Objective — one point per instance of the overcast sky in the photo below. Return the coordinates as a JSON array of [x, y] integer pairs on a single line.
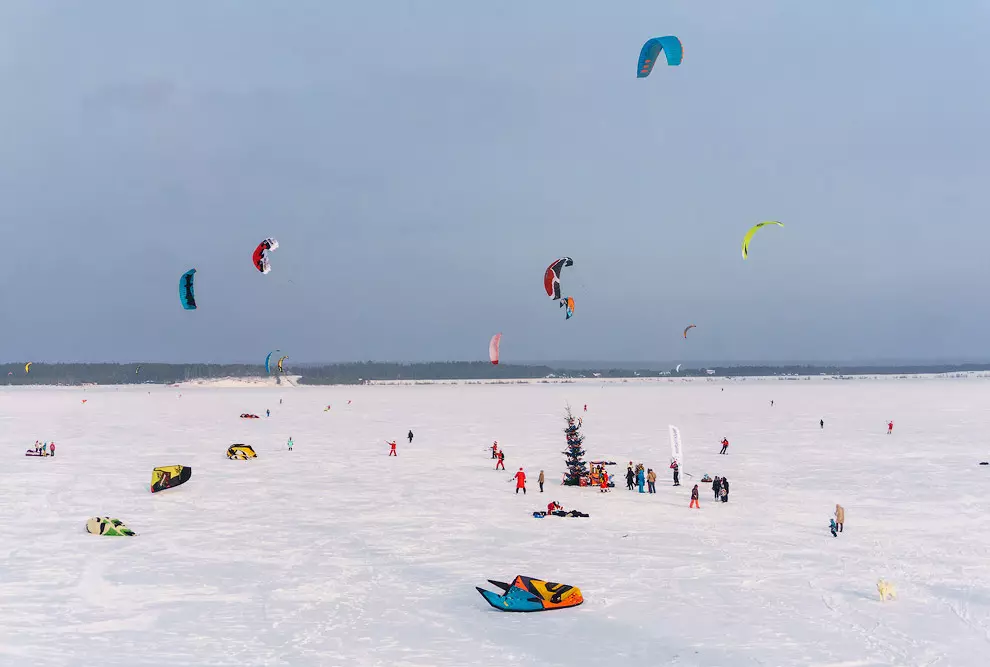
[[421, 163]]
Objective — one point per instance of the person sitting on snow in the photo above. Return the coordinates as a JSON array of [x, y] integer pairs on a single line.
[[554, 506]]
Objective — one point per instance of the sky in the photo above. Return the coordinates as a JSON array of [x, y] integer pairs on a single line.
[[421, 163]]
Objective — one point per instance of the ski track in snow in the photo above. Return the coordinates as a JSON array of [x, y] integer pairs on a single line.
[[335, 554]]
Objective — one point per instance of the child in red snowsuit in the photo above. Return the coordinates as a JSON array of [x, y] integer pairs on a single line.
[[520, 481]]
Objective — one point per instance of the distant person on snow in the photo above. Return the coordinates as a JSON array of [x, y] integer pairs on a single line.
[[725, 445], [821, 423], [640, 477], [651, 480], [677, 472], [554, 506], [51, 448], [410, 436], [585, 407], [520, 481], [724, 493], [268, 413], [541, 479], [630, 477], [771, 402], [832, 526], [44, 449], [495, 449], [890, 427], [290, 443], [717, 486], [694, 498], [604, 478], [391, 451], [840, 515], [501, 461]]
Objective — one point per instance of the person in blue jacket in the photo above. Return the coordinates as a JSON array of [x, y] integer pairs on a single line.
[[640, 477]]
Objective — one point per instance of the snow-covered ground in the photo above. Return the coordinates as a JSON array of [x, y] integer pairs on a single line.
[[335, 554]]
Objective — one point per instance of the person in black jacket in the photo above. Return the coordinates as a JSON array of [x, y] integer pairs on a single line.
[[630, 477], [725, 490], [717, 486], [410, 436]]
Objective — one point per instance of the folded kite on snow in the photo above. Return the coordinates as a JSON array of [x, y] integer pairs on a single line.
[[529, 594]]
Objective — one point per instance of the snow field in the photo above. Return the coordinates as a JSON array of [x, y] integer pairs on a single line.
[[335, 554]]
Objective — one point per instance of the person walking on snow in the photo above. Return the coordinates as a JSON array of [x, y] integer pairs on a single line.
[[290, 443], [890, 427], [840, 515], [391, 451], [501, 461], [268, 413], [585, 407], [541, 479], [821, 422], [694, 498], [725, 445], [520, 481], [495, 449], [651, 480], [640, 477], [717, 486], [51, 448], [630, 477], [410, 436], [677, 472]]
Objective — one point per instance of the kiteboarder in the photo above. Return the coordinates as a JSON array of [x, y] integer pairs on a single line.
[[410, 436], [290, 443], [501, 460], [890, 427], [541, 479], [651, 480], [520, 481], [725, 445], [391, 451], [677, 472], [694, 498]]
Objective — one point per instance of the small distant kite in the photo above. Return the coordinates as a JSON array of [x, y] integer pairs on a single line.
[[268, 361], [262, 255], [678, 369], [551, 277], [568, 303], [137, 370], [690, 326], [187, 296], [752, 230], [27, 367], [493, 347], [671, 46], [279, 364]]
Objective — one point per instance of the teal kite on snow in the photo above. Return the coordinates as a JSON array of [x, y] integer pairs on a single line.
[[671, 47]]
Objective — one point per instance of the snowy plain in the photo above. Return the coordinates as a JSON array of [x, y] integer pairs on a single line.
[[335, 554]]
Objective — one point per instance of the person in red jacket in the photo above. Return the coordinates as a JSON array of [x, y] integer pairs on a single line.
[[725, 445], [501, 460], [495, 449], [694, 498], [51, 448], [392, 452], [520, 481], [554, 506], [604, 478], [890, 427]]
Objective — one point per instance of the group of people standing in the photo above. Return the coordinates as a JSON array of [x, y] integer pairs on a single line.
[[45, 448]]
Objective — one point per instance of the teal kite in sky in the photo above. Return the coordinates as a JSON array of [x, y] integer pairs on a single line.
[[671, 47]]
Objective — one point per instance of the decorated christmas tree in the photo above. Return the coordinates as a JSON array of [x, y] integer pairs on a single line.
[[576, 468]]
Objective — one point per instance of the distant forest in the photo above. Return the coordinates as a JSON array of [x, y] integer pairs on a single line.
[[358, 372]]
